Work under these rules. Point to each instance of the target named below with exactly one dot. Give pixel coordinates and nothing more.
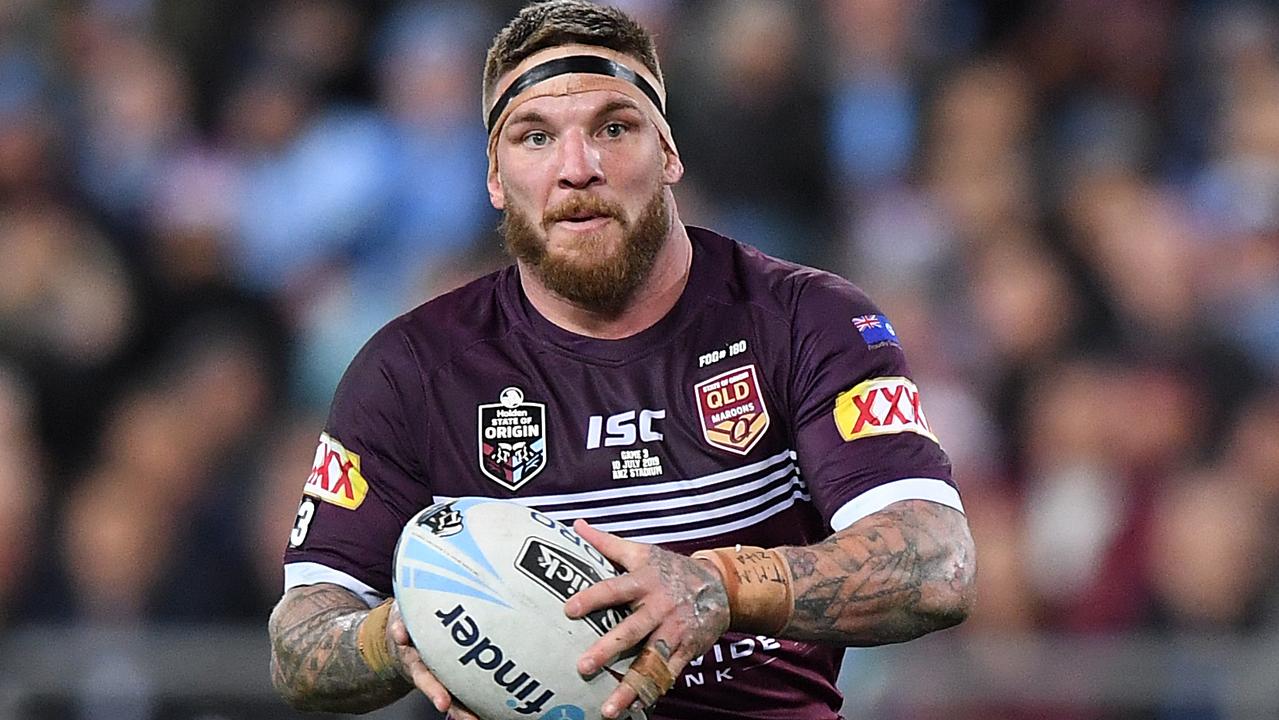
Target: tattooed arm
(894, 575)
(316, 662)
(315, 658)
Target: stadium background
(1068, 208)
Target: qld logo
(732, 410)
(512, 439)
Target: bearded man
(784, 437)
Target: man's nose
(579, 162)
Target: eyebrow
(613, 106)
(526, 116)
(533, 117)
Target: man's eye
(614, 129)
(537, 138)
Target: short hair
(551, 23)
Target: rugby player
(743, 434)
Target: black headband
(590, 64)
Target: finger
(424, 680)
(460, 712)
(623, 552)
(649, 677)
(395, 626)
(399, 632)
(622, 697)
(604, 594)
(626, 635)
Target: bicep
(912, 528)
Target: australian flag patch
(875, 330)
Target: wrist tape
(758, 581)
(372, 642)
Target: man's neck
(652, 300)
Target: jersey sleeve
(862, 437)
(367, 479)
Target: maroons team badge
(512, 438)
(732, 409)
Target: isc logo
(623, 429)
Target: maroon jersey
(771, 406)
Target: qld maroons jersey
(771, 406)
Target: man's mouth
(584, 221)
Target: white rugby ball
(481, 584)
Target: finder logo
(484, 654)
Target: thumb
(396, 628)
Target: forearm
(315, 656)
(895, 575)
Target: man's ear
(497, 196)
(672, 166)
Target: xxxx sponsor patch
(335, 477)
(881, 406)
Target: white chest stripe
(696, 506)
(685, 485)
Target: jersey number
(302, 524)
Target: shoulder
(439, 330)
(434, 334)
(785, 289)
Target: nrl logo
(512, 439)
(443, 520)
(732, 410)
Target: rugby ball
(481, 584)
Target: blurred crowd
(1068, 208)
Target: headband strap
(588, 64)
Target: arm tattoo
(894, 575)
(315, 660)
